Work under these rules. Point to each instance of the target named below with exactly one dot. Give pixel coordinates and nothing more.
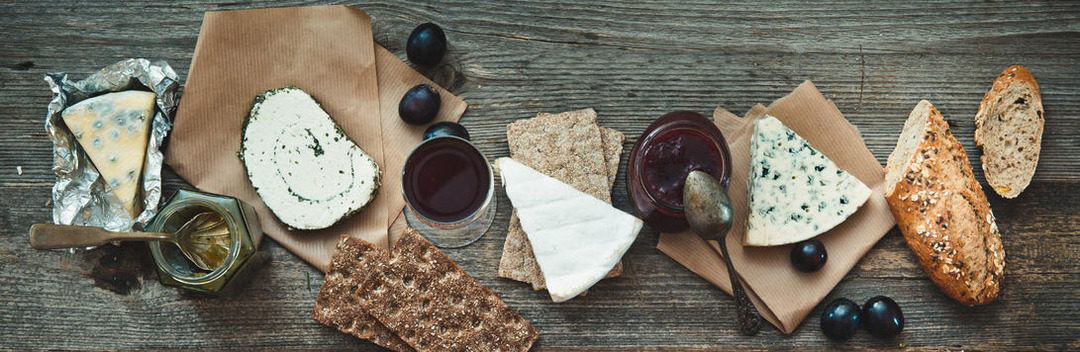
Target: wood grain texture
(632, 61)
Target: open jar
(244, 236)
(669, 149)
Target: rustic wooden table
(632, 62)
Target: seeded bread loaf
(942, 211)
(1009, 129)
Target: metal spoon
(204, 239)
(708, 210)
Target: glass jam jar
(669, 149)
(243, 255)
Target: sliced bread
(942, 211)
(1008, 128)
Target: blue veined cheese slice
(795, 192)
(575, 237)
(305, 169)
(114, 130)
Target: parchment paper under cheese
(766, 272)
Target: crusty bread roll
(942, 211)
(1009, 129)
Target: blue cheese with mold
(113, 129)
(795, 192)
(302, 165)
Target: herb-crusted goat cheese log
(302, 165)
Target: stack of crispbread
(572, 148)
(414, 298)
(337, 307)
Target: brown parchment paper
(396, 78)
(328, 52)
(781, 293)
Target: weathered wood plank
(632, 61)
(656, 303)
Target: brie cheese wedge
(575, 237)
(795, 192)
(306, 170)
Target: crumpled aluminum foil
(79, 196)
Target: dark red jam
(446, 179)
(671, 157)
(668, 150)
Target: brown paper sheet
(328, 51)
(781, 293)
(396, 78)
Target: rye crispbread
(566, 146)
(434, 305)
(336, 306)
(536, 143)
(613, 148)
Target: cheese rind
(795, 191)
(575, 237)
(114, 130)
(304, 168)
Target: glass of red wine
(449, 190)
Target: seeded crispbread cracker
(613, 149)
(434, 305)
(518, 262)
(566, 146)
(336, 306)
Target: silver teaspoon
(708, 210)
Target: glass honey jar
(243, 239)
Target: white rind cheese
(796, 192)
(114, 130)
(306, 170)
(576, 238)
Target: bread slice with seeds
(942, 211)
(1009, 129)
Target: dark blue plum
(808, 256)
(446, 128)
(882, 317)
(419, 105)
(840, 320)
(426, 45)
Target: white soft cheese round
(305, 169)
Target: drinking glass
(449, 190)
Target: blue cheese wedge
(114, 129)
(796, 192)
(305, 169)
(575, 237)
